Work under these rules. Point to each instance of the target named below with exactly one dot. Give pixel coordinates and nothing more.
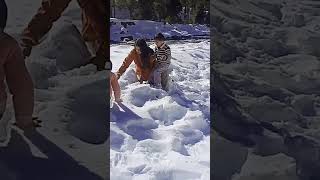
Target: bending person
(143, 56)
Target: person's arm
(21, 87)
(153, 61)
(126, 63)
(116, 88)
(42, 21)
(96, 13)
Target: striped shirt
(163, 56)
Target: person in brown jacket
(143, 56)
(94, 31)
(15, 76)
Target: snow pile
(159, 135)
(122, 30)
(266, 54)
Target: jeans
(160, 78)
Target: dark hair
(146, 52)
(3, 14)
(160, 37)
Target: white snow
(276, 79)
(155, 135)
(69, 100)
(159, 135)
(133, 29)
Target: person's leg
(151, 79)
(165, 80)
(157, 78)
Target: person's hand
(118, 75)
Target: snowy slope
(156, 135)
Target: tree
(145, 10)
(173, 7)
(169, 10)
(160, 9)
(199, 9)
(131, 5)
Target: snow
(266, 54)
(154, 134)
(69, 99)
(159, 135)
(134, 29)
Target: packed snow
(159, 135)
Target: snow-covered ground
(267, 53)
(72, 142)
(159, 135)
(153, 135)
(124, 30)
